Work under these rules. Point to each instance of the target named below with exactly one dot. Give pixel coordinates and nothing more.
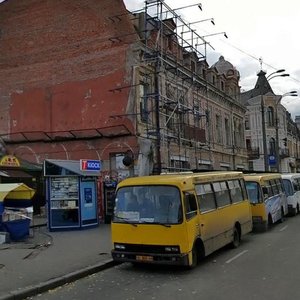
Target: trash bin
(17, 229)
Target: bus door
(209, 220)
(192, 219)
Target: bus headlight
(119, 247)
(173, 249)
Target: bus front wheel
(194, 258)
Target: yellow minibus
(179, 218)
(267, 198)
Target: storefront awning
(70, 165)
(14, 173)
(15, 191)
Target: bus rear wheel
(236, 238)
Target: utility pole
(264, 137)
(157, 169)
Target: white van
(291, 182)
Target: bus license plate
(144, 258)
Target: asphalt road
(265, 266)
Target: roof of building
(225, 67)
(262, 87)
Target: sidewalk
(48, 259)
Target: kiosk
(71, 193)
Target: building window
(179, 165)
(193, 66)
(237, 133)
(272, 146)
(219, 129)
(144, 92)
(222, 86)
(247, 123)
(197, 116)
(270, 116)
(227, 132)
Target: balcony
(193, 133)
(253, 153)
(284, 152)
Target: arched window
(270, 116)
(272, 146)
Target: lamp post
(291, 94)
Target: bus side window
(222, 193)
(265, 191)
(275, 186)
(205, 197)
(269, 189)
(288, 188)
(190, 205)
(243, 188)
(298, 184)
(235, 191)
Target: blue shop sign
(90, 165)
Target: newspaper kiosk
(71, 193)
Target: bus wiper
(162, 224)
(126, 220)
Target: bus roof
(181, 178)
(290, 175)
(261, 176)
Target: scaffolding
(176, 108)
(173, 96)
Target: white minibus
(291, 182)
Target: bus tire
(270, 221)
(194, 258)
(236, 238)
(281, 220)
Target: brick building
(88, 79)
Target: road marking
(235, 257)
(284, 228)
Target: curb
(58, 281)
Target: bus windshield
(288, 187)
(253, 190)
(148, 204)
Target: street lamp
(281, 75)
(200, 21)
(276, 72)
(199, 5)
(290, 94)
(223, 32)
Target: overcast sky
(266, 29)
